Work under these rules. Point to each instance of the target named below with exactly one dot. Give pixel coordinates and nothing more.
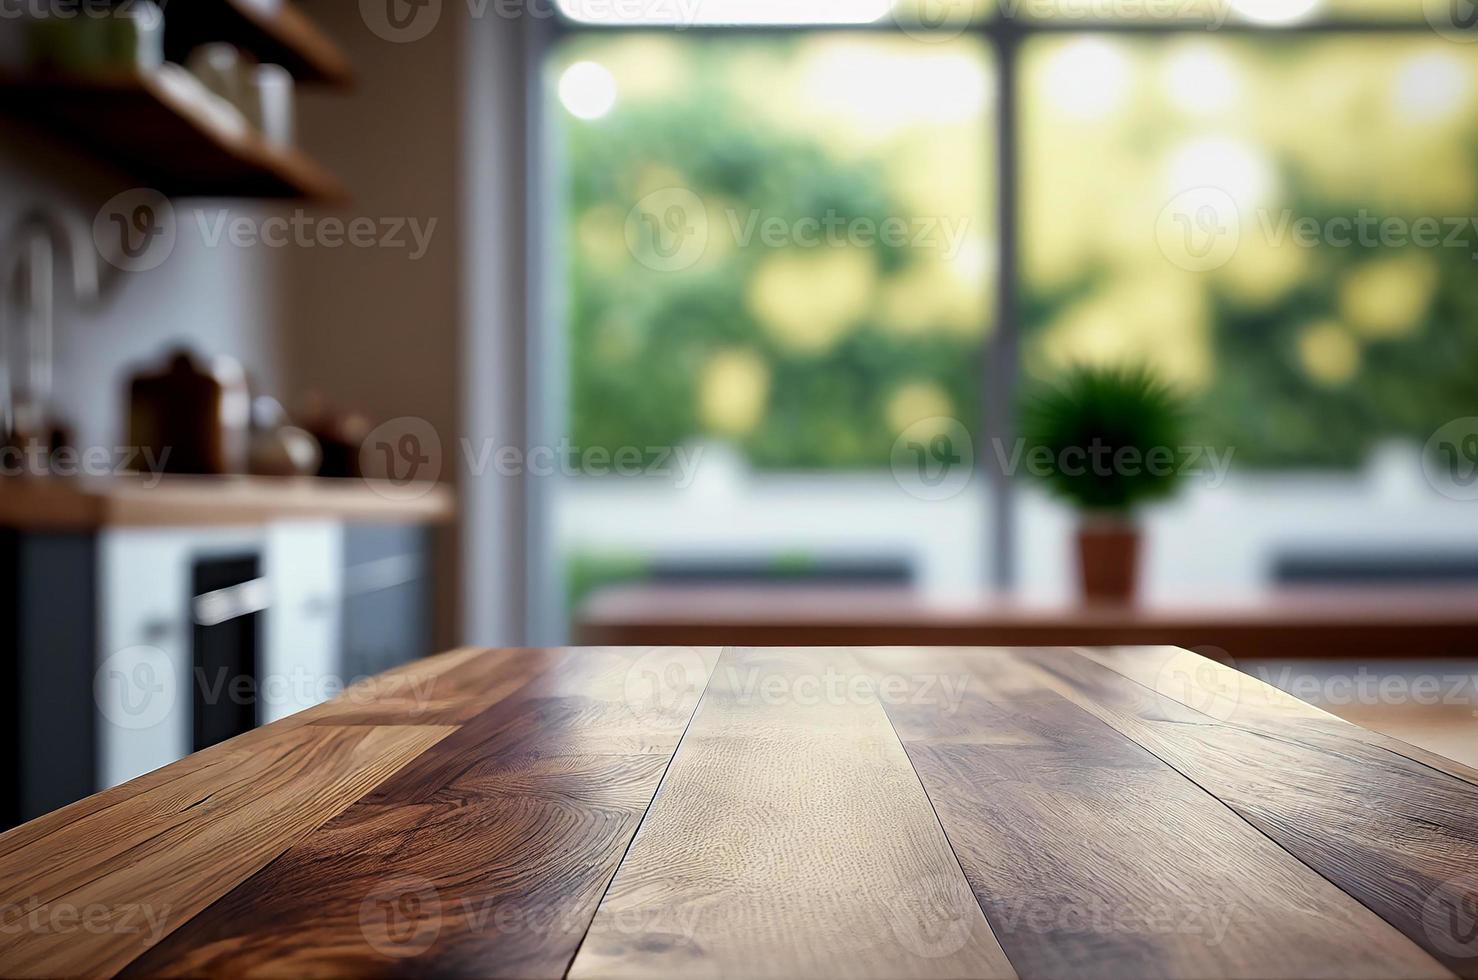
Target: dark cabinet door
(226, 647)
(48, 623)
(387, 598)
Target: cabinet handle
(156, 631)
(381, 574)
(232, 602)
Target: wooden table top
(706, 812)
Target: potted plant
(1107, 440)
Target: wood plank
(790, 838)
(1394, 833)
(1202, 683)
(424, 692)
(1134, 871)
(448, 689)
(488, 854)
(115, 881)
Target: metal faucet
(29, 255)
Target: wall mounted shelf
(166, 139)
(282, 36)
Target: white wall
(218, 300)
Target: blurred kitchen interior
(627, 292)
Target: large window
(782, 244)
(1280, 224)
(782, 241)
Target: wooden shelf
(283, 37)
(166, 139)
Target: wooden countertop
(1363, 621)
(771, 813)
(74, 504)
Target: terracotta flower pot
(1108, 560)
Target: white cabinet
(300, 661)
(145, 680)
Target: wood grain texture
(790, 838)
(441, 690)
(1134, 870)
(1199, 682)
(448, 689)
(487, 856)
(1396, 834)
(527, 813)
(99, 890)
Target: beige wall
(371, 328)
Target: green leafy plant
(1107, 439)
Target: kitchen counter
(80, 504)
(684, 811)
